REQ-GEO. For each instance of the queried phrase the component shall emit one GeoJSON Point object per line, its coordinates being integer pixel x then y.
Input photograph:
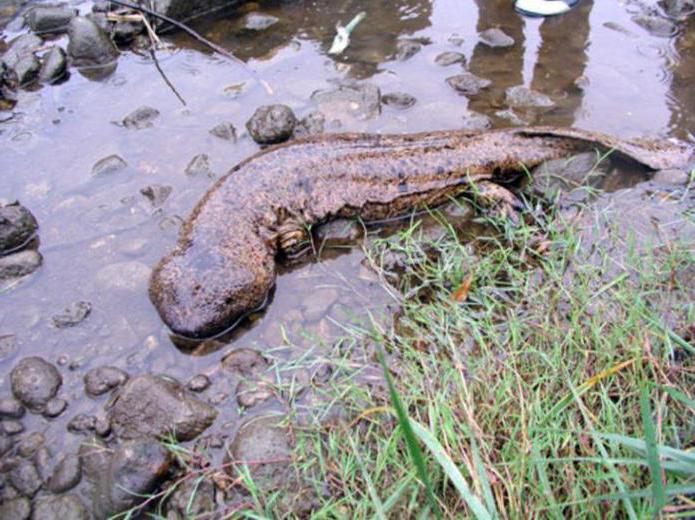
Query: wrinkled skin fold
{"type": "Point", "coordinates": [224, 264]}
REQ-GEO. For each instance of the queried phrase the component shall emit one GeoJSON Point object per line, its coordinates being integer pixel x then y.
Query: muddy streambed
{"type": "Point", "coordinates": [602, 67]}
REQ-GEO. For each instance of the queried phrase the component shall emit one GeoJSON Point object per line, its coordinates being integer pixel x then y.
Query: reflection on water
{"type": "Point", "coordinates": [100, 235]}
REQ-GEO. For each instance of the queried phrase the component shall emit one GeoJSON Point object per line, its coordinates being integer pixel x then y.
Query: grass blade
{"type": "Point", "coordinates": [652, 452]}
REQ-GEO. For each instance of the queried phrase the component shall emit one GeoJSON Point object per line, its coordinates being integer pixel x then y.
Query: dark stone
{"type": "Point", "coordinates": [27, 70]}
{"type": "Point", "coordinates": [35, 382]}
{"type": "Point", "coordinates": [66, 475]}
{"type": "Point", "coordinates": [656, 25]}
{"type": "Point", "coordinates": [30, 444]}
{"type": "Point", "coordinates": [100, 380]}
{"type": "Point", "coordinates": [200, 167]}
{"type": "Point", "coordinates": [271, 124]}
{"type": "Point", "coordinates": [54, 66]}
{"type": "Point", "coordinates": [496, 38]}
{"type": "Point", "coordinates": [15, 509]}
{"type": "Point", "coordinates": [194, 498]}
{"type": "Point", "coordinates": [63, 507]}
{"type": "Point", "coordinates": [398, 100]}
{"type": "Point", "coordinates": [157, 194]}
{"type": "Point", "coordinates": [49, 19]}
{"type": "Point", "coordinates": [102, 427]}
{"type": "Point", "coordinates": [108, 165]}
{"type": "Point", "coordinates": [225, 131]}
{"type": "Point", "coordinates": [82, 423]}
{"type": "Point", "coordinates": [199, 383]}
{"type": "Point", "coordinates": [95, 457]}
{"type": "Point", "coordinates": [150, 405]}
{"type": "Point", "coordinates": [313, 124]}
{"type": "Point", "coordinates": [449, 58]}
{"type": "Point", "coordinates": [406, 49]}
{"type": "Point", "coordinates": [244, 361]}
{"type": "Point", "coordinates": [678, 9]}
{"type": "Point", "coordinates": [134, 470]}
{"type": "Point", "coordinates": [17, 227]}
{"type": "Point", "coordinates": [468, 83]}
{"type": "Point", "coordinates": [125, 32]}
{"type": "Point", "coordinates": [11, 408]}
{"type": "Point", "coordinates": [258, 21]}
{"type": "Point", "coordinates": [74, 314]}
{"type": "Point", "coordinates": [25, 478]}
{"type": "Point", "coordinates": [140, 118]}
{"type": "Point", "coordinates": [89, 44]}
{"type": "Point", "coordinates": [184, 9]}
{"type": "Point", "coordinates": [11, 427]}
{"type": "Point", "coordinates": [55, 407]}
{"type": "Point", "coordinates": [19, 264]}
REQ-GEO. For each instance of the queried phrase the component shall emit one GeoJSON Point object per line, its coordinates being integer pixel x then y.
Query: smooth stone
{"type": "Point", "coordinates": [35, 382]}
{"type": "Point", "coordinates": [15, 509]}
{"type": "Point", "coordinates": [20, 47]}
{"type": "Point", "coordinates": [245, 361]}
{"type": "Point", "coordinates": [108, 165]}
{"type": "Point", "coordinates": [50, 19]}
{"type": "Point", "coordinates": [102, 427]}
{"type": "Point", "coordinates": [496, 38]}
{"type": "Point", "coordinates": [312, 124]}
{"type": "Point", "coordinates": [398, 100]}
{"type": "Point", "coordinates": [271, 124]}
{"type": "Point", "coordinates": [673, 176]}
{"type": "Point", "coordinates": [100, 380]}
{"type": "Point", "coordinates": [406, 49]}
{"type": "Point", "coordinates": [225, 131]}
{"type": "Point", "coordinates": [19, 264]}
{"type": "Point", "coordinates": [73, 315]}
{"type": "Point", "coordinates": [360, 101]}
{"type": "Point", "coordinates": [154, 406]}
{"type": "Point", "coordinates": [55, 407]}
{"type": "Point", "coordinates": [199, 383]}
{"type": "Point", "coordinates": [125, 32]}
{"type": "Point", "coordinates": [157, 194]}
{"type": "Point", "coordinates": [200, 167]}
{"type": "Point", "coordinates": [11, 408]}
{"type": "Point", "coordinates": [43, 460]}
{"type": "Point", "coordinates": [25, 478]}
{"type": "Point", "coordinates": [54, 66]}
{"type": "Point", "coordinates": [63, 507]}
{"type": "Point", "coordinates": [17, 227]}
{"type": "Point", "coordinates": [89, 44]}
{"type": "Point", "coordinates": [123, 276]}
{"type": "Point", "coordinates": [258, 21]}
{"type": "Point", "coordinates": [468, 83]}
{"type": "Point", "coordinates": [446, 59]}
{"type": "Point", "coordinates": [27, 70]}
{"type": "Point", "coordinates": [94, 457]}
{"type": "Point", "coordinates": [11, 427]}
{"type": "Point", "coordinates": [66, 475]}
{"type": "Point", "coordinates": [142, 117]}
{"type": "Point", "coordinates": [520, 96]}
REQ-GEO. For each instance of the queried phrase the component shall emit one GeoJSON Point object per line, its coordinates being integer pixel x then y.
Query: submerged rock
{"type": "Point", "coordinates": [656, 25]}
{"type": "Point", "coordinates": [25, 478]}
{"type": "Point", "coordinates": [11, 408]}
{"type": "Point", "coordinates": [312, 124]}
{"type": "Point", "coordinates": [200, 167]}
{"type": "Point", "coordinates": [89, 45]}
{"type": "Point", "coordinates": [496, 38]}
{"type": "Point", "coordinates": [449, 58]}
{"type": "Point", "coordinates": [17, 227]}
{"type": "Point", "coordinates": [245, 361]}
{"type": "Point", "coordinates": [225, 131]}
{"type": "Point", "coordinates": [55, 407]}
{"type": "Point", "coordinates": [66, 475]}
{"type": "Point", "coordinates": [20, 47]}
{"type": "Point", "coordinates": [398, 100]}
{"type": "Point", "coordinates": [360, 101]}
{"type": "Point", "coordinates": [15, 509]}
{"type": "Point", "coordinates": [34, 382]}
{"type": "Point", "coordinates": [184, 9]}
{"type": "Point", "coordinates": [140, 118]}
{"type": "Point", "coordinates": [678, 9]}
{"type": "Point", "coordinates": [271, 124]}
{"type": "Point", "coordinates": [406, 49]}
{"type": "Point", "coordinates": [468, 83]}
{"type": "Point", "coordinates": [520, 96]}
{"type": "Point", "coordinates": [108, 165]}
{"type": "Point", "coordinates": [475, 121]}
{"type": "Point", "coordinates": [123, 276]}
{"type": "Point", "coordinates": [27, 70]}
{"type": "Point", "coordinates": [552, 177]}
{"type": "Point", "coordinates": [50, 19]}
{"type": "Point", "coordinates": [258, 21]}
{"type": "Point", "coordinates": [157, 194]}
{"type": "Point", "coordinates": [100, 380]}
{"type": "Point", "coordinates": [54, 66]}
{"type": "Point", "coordinates": [339, 233]}
{"type": "Point", "coordinates": [192, 499]}
{"type": "Point", "coordinates": [19, 264]}
{"type": "Point", "coordinates": [62, 507]}
{"type": "Point", "coordinates": [73, 315]}
{"type": "Point", "coordinates": [150, 405]}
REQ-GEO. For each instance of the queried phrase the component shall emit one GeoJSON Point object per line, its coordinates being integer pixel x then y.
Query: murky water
{"type": "Point", "coordinates": [99, 236]}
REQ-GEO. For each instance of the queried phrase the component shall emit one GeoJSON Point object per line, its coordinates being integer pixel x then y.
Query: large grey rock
{"type": "Point", "coordinates": [271, 124]}
{"type": "Point", "coordinates": [89, 44]}
{"type": "Point", "coordinates": [17, 227]}
{"type": "Point", "coordinates": [34, 382]}
{"type": "Point", "coordinates": [154, 406]}
{"type": "Point", "coordinates": [54, 66]}
{"type": "Point", "coordinates": [50, 19]}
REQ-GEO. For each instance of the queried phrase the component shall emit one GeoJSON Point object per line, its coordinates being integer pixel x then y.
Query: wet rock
{"type": "Point", "coordinates": [258, 21]}
{"type": "Point", "coordinates": [27, 70]}
{"type": "Point", "coordinates": [108, 165]}
{"type": "Point", "coordinates": [73, 315]}
{"type": "Point", "coordinates": [251, 393]}
{"type": "Point", "coordinates": [17, 227]}
{"type": "Point", "coordinates": [125, 32]}
{"type": "Point", "coordinates": [225, 131]}
{"type": "Point", "coordinates": [34, 382]}
{"type": "Point", "coordinates": [6, 444]}
{"type": "Point", "coordinates": [25, 478]}
{"type": "Point", "coordinates": [50, 19]}
{"type": "Point", "coordinates": [339, 232]}
{"type": "Point", "coordinates": [140, 118]}
{"type": "Point", "coordinates": [15, 509]}
{"type": "Point", "coordinates": [313, 124]}
{"type": "Point", "coordinates": [101, 6]}
{"type": "Point", "coordinates": [406, 49]}
{"type": "Point", "coordinates": [66, 475]}
{"type": "Point", "coordinates": [656, 25]}
{"type": "Point", "coordinates": [262, 439]}
{"type": "Point", "coordinates": [475, 121]}
{"type": "Point", "coordinates": [192, 499]}
{"type": "Point", "coordinates": [510, 116]}
{"type": "Point", "coordinates": [449, 58]}
{"type": "Point", "coordinates": [318, 303]}
{"type": "Point", "coordinates": [54, 66]}
{"type": "Point", "coordinates": [361, 101]}
{"type": "Point", "coordinates": [100, 380]}
{"type": "Point", "coordinates": [200, 167]}
{"type": "Point", "coordinates": [11, 408]}
{"type": "Point", "coordinates": [43, 460]}
{"type": "Point", "coordinates": [271, 124]}
{"type": "Point", "coordinates": [150, 405]}
{"type": "Point", "coordinates": [184, 9]}
{"type": "Point", "coordinates": [82, 424]}
{"type": "Point", "coordinates": [8, 346]}
{"type": "Point", "coordinates": [398, 100]}
{"type": "Point", "coordinates": [157, 194]}
{"type": "Point", "coordinates": [55, 407]}
{"type": "Point", "coordinates": [553, 177]}
{"type": "Point", "coordinates": [134, 470]}
{"type": "Point", "coordinates": [8, 87]}
{"type": "Point", "coordinates": [468, 83]}
{"type": "Point", "coordinates": [94, 457]}
{"type": "Point", "coordinates": [520, 96]}
{"type": "Point", "coordinates": [496, 38]}
{"type": "Point", "coordinates": [89, 45]}
{"type": "Point", "coordinates": [11, 427]}
{"type": "Point", "coordinates": [30, 444]}
{"type": "Point", "coordinates": [19, 264]}
{"type": "Point", "coordinates": [678, 9]}
{"type": "Point", "coordinates": [63, 507]}
{"type": "Point", "coordinates": [199, 383]}
{"type": "Point", "coordinates": [244, 361]}
{"type": "Point", "coordinates": [673, 176]}
{"type": "Point", "coordinates": [123, 276]}
{"type": "Point", "coordinates": [20, 47]}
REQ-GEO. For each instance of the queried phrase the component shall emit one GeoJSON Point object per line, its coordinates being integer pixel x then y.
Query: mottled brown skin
{"type": "Point", "coordinates": [223, 267]}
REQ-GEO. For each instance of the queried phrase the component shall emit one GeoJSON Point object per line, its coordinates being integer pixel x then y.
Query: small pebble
{"type": "Point", "coordinates": [30, 444]}
{"type": "Point", "coordinates": [82, 423]}
{"type": "Point", "coordinates": [11, 408]}
{"type": "Point", "coordinates": [55, 407]}
{"type": "Point", "coordinates": [199, 383]}
{"type": "Point", "coordinates": [12, 427]}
